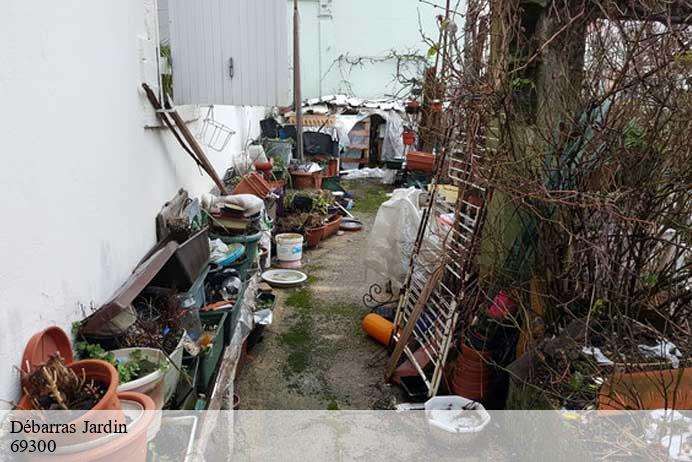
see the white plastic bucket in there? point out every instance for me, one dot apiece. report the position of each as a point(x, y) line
point(289, 247)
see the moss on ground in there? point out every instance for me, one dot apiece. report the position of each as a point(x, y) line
point(369, 201)
point(298, 338)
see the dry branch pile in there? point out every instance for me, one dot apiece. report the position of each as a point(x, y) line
point(589, 109)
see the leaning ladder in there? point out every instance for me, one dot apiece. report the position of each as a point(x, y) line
point(454, 247)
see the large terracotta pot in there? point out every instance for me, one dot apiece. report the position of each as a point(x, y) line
point(54, 340)
point(473, 375)
point(420, 161)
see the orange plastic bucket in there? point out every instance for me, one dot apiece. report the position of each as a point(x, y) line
point(378, 328)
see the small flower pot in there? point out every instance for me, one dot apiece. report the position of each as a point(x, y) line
point(303, 180)
point(130, 446)
point(409, 137)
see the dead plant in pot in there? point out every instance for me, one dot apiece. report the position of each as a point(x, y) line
point(54, 386)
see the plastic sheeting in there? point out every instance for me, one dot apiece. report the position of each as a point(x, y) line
point(393, 143)
point(393, 235)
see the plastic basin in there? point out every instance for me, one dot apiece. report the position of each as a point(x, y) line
point(455, 419)
point(151, 384)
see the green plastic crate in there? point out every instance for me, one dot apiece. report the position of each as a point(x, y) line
point(209, 360)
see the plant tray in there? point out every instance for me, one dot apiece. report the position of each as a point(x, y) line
point(209, 360)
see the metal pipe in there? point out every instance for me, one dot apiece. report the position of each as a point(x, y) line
point(297, 96)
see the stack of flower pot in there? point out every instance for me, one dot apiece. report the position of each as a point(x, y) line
point(112, 407)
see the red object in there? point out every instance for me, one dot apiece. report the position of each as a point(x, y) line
point(409, 137)
point(420, 161)
point(473, 375)
point(502, 307)
point(253, 183)
point(303, 180)
point(263, 166)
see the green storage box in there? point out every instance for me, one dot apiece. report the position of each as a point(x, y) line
point(209, 360)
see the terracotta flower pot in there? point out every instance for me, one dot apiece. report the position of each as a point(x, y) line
point(648, 390)
point(313, 236)
point(332, 226)
point(473, 375)
point(332, 168)
point(420, 161)
point(52, 341)
point(303, 180)
point(254, 183)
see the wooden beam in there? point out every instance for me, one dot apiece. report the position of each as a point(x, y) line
point(199, 154)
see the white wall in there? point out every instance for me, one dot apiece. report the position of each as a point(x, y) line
point(359, 28)
point(82, 179)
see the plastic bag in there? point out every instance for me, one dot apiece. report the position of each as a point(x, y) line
point(393, 143)
point(393, 235)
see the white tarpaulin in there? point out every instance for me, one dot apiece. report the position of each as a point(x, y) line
point(393, 236)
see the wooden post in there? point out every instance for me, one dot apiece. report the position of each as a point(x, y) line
point(297, 96)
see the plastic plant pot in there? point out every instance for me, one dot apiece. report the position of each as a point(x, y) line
point(473, 375)
point(130, 446)
point(332, 226)
point(54, 340)
point(313, 236)
point(151, 384)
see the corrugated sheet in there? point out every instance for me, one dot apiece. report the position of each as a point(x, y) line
point(207, 34)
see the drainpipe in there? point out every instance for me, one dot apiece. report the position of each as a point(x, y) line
point(297, 96)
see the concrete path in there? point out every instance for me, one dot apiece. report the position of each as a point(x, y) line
point(315, 354)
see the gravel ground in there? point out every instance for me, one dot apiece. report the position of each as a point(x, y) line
point(315, 354)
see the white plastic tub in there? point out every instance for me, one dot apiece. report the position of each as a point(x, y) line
point(289, 247)
point(456, 419)
point(151, 384)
